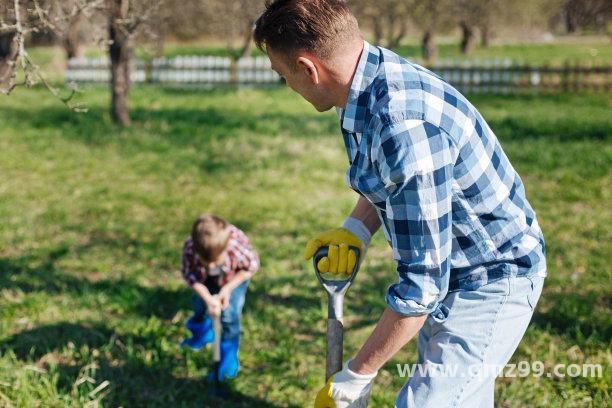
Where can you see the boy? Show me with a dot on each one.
(218, 261)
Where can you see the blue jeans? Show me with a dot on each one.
(230, 317)
(475, 333)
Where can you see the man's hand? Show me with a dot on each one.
(340, 259)
(344, 388)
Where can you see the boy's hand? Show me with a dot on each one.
(224, 297)
(213, 305)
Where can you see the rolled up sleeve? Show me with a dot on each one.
(241, 249)
(415, 162)
(187, 264)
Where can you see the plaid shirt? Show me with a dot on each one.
(240, 256)
(452, 207)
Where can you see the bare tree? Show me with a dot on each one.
(127, 21)
(245, 12)
(233, 19)
(66, 18)
(468, 14)
(120, 52)
(389, 19)
(12, 39)
(229, 20)
(585, 14)
(126, 18)
(19, 19)
(432, 17)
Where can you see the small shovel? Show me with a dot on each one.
(215, 387)
(335, 328)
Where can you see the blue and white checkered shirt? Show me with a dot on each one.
(452, 206)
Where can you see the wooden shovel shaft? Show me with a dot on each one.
(217, 340)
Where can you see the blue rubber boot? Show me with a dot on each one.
(202, 333)
(229, 365)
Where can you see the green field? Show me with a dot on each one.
(93, 217)
(570, 48)
(593, 49)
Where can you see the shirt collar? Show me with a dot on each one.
(352, 117)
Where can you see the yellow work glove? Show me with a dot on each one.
(345, 389)
(324, 397)
(340, 259)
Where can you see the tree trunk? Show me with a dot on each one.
(120, 55)
(72, 40)
(247, 45)
(467, 38)
(429, 48)
(158, 44)
(8, 53)
(378, 31)
(570, 22)
(394, 40)
(485, 36)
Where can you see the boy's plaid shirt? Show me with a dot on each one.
(452, 207)
(240, 257)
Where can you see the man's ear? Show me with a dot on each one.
(307, 65)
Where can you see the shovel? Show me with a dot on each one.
(335, 329)
(215, 387)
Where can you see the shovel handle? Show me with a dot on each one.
(335, 340)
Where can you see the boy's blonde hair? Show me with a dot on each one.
(210, 236)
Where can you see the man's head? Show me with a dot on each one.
(314, 45)
(210, 236)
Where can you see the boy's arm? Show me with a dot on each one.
(236, 280)
(248, 264)
(187, 264)
(202, 291)
(226, 290)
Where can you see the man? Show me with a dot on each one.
(469, 251)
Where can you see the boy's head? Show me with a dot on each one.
(210, 236)
(311, 43)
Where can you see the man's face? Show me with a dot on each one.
(303, 78)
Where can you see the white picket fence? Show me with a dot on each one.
(92, 70)
(185, 70)
(489, 76)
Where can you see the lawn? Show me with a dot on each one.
(93, 217)
(595, 49)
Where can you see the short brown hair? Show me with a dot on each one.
(316, 26)
(210, 236)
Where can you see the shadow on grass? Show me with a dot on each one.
(193, 127)
(40, 274)
(574, 315)
(39, 341)
(133, 382)
(184, 126)
(570, 129)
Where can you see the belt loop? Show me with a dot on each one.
(440, 313)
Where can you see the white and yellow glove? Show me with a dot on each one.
(344, 389)
(340, 260)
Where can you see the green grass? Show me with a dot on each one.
(93, 217)
(591, 50)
